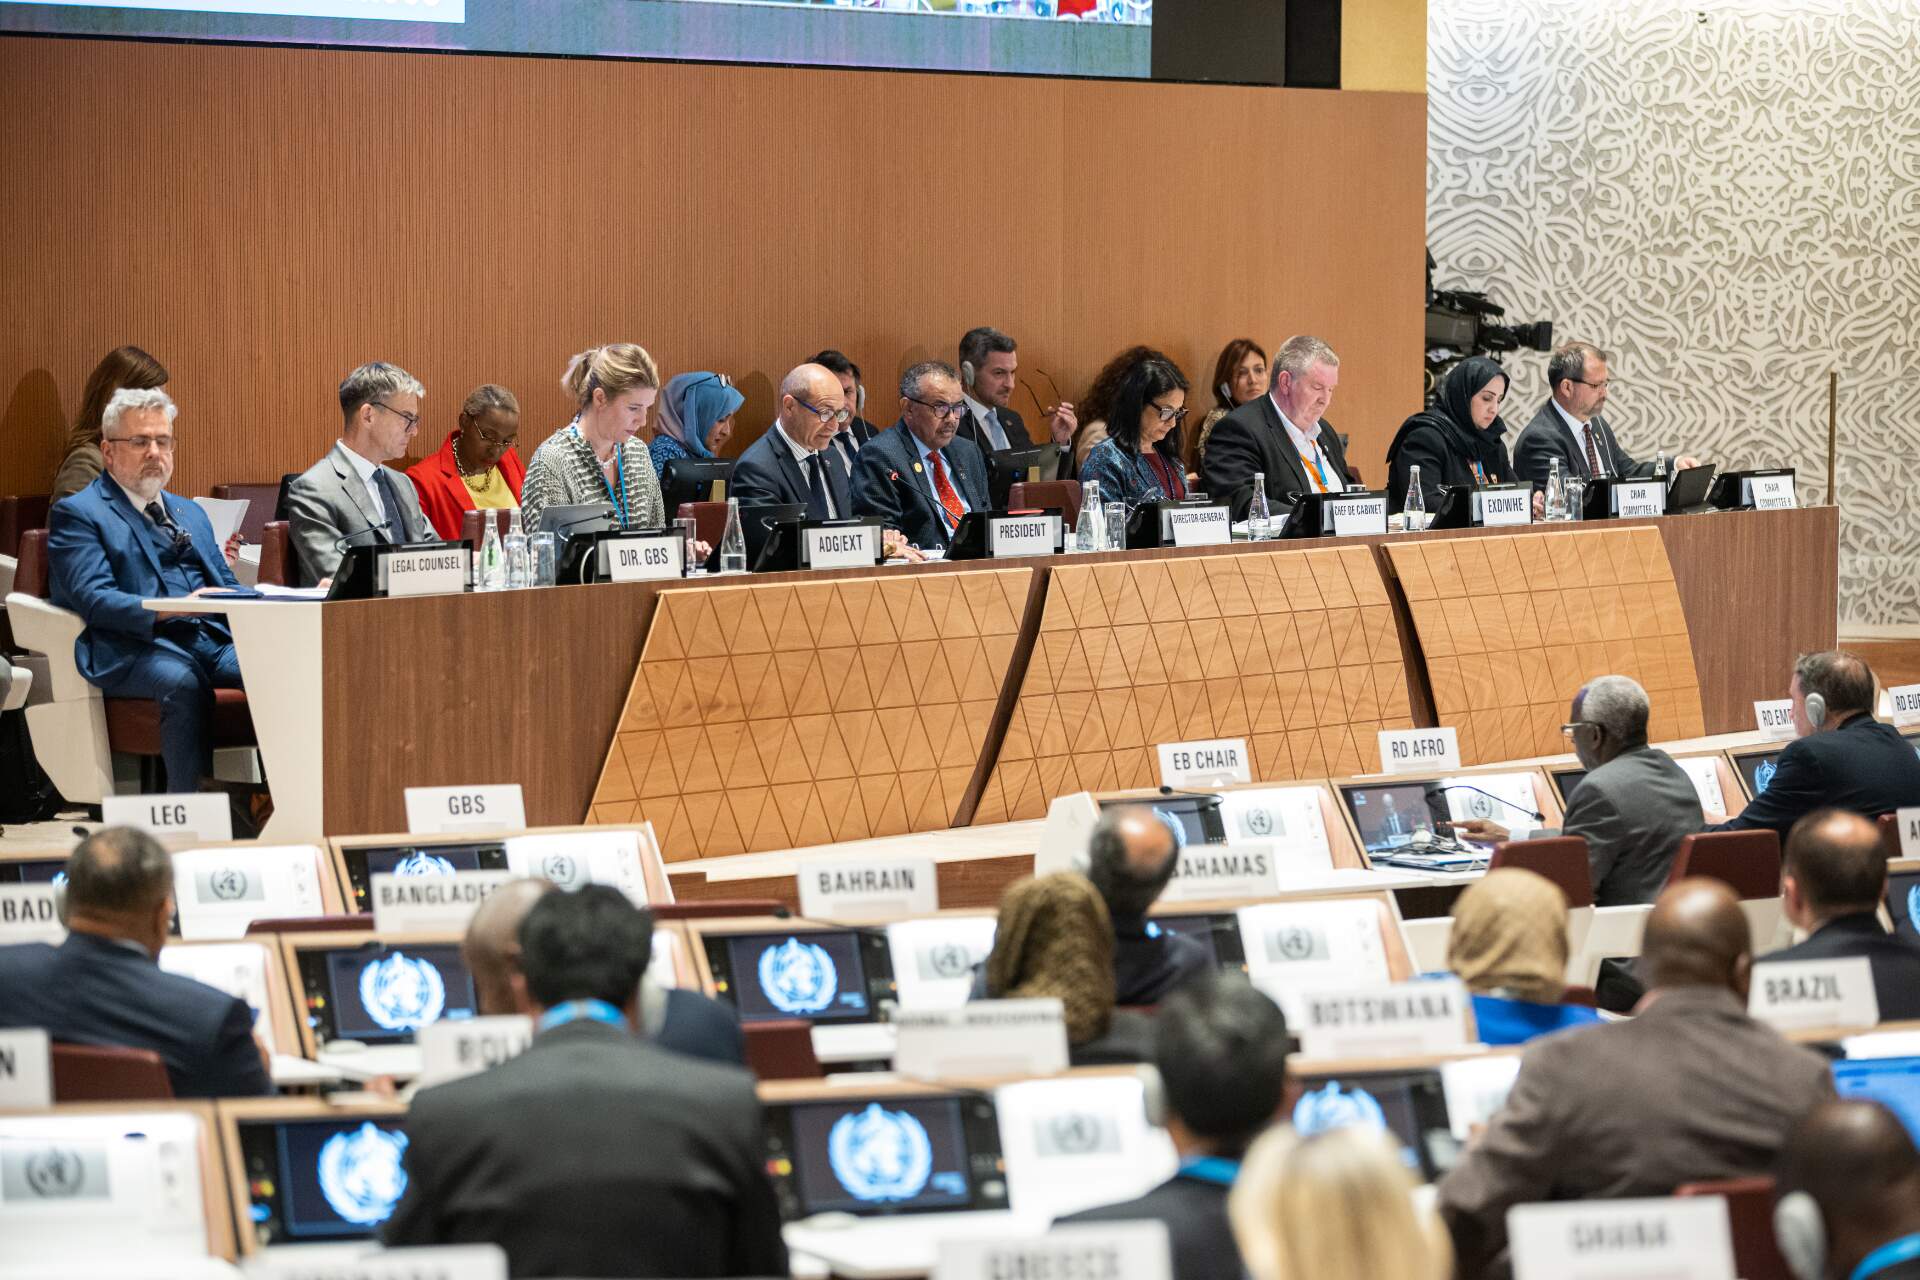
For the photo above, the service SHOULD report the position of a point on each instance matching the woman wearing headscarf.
(696, 417)
(1054, 938)
(1509, 945)
(1459, 441)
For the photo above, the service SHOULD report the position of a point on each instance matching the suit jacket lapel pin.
(916, 468)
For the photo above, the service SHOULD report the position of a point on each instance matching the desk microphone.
(1535, 814)
(345, 540)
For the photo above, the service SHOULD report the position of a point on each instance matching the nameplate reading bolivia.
(452, 1048)
(1034, 535)
(30, 913)
(868, 889)
(1622, 1240)
(1208, 762)
(1357, 517)
(200, 815)
(1774, 718)
(642, 557)
(1906, 703)
(434, 1262)
(1410, 1017)
(1419, 750)
(424, 573)
(848, 547)
(1197, 526)
(433, 811)
(26, 1069)
(1224, 872)
(983, 1038)
(431, 904)
(1814, 993)
(1637, 499)
(1107, 1251)
(1493, 508)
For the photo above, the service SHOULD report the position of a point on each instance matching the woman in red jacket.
(476, 468)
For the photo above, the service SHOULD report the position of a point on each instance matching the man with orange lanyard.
(1281, 435)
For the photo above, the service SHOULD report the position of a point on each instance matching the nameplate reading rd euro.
(1357, 517)
(1107, 1251)
(30, 913)
(1905, 700)
(642, 557)
(1908, 822)
(1361, 1022)
(1224, 873)
(26, 1070)
(423, 573)
(846, 547)
(433, 811)
(1196, 526)
(431, 904)
(1814, 993)
(983, 1038)
(1493, 508)
(436, 1262)
(200, 815)
(1622, 1240)
(1034, 535)
(1637, 499)
(1774, 718)
(1208, 762)
(1417, 750)
(868, 888)
(452, 1048)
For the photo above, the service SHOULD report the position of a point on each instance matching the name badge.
(1107, 1251)
(450, 1049)
(1774, 718)
(1637, 499)
(437, 1262)
(1210, 762)
(868, 889)
(1814, 993)
(1196, 526)
(422, 573)
(1905, 699)
(30, 913)
(26, 1070)
(433, 811)
(1355, 517)
(1908, 823)
(1224, 872)
(1622, 1240)
(983, 1038)
(1009, 536)
(431, 904)
(642, 557)
(1382, 1022)
(218, 892)
(574, 858)
(1418, 750)
(1768, 493)
(198, 815)
(846, 547)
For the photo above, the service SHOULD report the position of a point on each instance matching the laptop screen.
(1892, 1082)
(1388, 814)
(823, 975)
(885, 1155)
(363, 864)
(381, 994)
(1903, 903)
(1757, 769)
(322, 1179)
(1410, 1105)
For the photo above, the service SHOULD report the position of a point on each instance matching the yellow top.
(490, 490)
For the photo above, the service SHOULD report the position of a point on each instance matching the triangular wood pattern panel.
(779, 716)
(1578, 604)
(1282, 647)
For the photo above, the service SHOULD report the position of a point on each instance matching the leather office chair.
(782, 1050)
(1747, 861)
(261, 500)
(361, 922)
(709, 520)
(276, 561)
(717, 908)
(473, 527)
(19, 513)
(1561, 859)
(1756, 1255)
(1037, 495)
(99, 1073)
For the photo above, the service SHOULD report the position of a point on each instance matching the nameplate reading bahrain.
(199, 815)
(868, 888)
(1908, 823)
(443, 571)
(1197, 526)
(431, 904)
(1814, 993)
(1224, 873)
(1493, 508)
(1030, 535)
(844, 547)
(1774, 718)
(1906, 703)
(452, 1048)
(642, 557)
(1419, 750)
(433, 811)
(983, 1038)
(26, 1069)
(30, 913)
(1377, 1021)
(1208, 762)
(1622, 1240)
(1107, 1251)
(1360, 516)
(1637, 499)
(437, 1262)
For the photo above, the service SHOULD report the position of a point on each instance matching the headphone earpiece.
(966, 373)
(1816, 710)
(860, 399)
(1226, 393)
(1153, 1094)
(1801, 1235)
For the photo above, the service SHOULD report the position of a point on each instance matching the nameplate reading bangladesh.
(1208, 762)
(1774, 718)
(1814, 993)
(1361, 1022)
(868, 888)
(199, 815)
(26, 1070)
(847, 547)
(1030, 535)
(431, 904)
(1493, 508)
(1224, 873)
(1622, 1240)
(1638, 499)
(30, 913)
(1107, 1251)
(1905, 699)
(1357, 517)
(452, 1048)
(433, 811)
(642, 557)
(423, 573)
(1197, 526)
(1418, 750)
(982, 1038)
(1769, 493)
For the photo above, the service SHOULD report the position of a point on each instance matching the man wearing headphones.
(845, 445)
(988, 365)
(1849, 1206)
(1843, 758)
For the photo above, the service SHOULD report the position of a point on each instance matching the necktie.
(942, 486)
(157, 512)
(817, 508)
(396, 527)
(1593, 455)
(996, 434)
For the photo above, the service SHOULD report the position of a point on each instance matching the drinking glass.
(543, 547)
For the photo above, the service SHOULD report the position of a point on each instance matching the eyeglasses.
(840, 416)
(412, 419)
(1603, 384)
(1570, 729)
(1175, 416)
(141, 444)
(955, 410)
(491, 437)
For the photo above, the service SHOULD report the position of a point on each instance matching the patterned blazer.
(564, 472)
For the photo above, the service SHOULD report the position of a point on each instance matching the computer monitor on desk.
(1903, 903)
(1409, 1105)
(1564, 782)
(1195, 815)
(1217, 931)
(359, 863)
(1892, 1082)
(374, 993)
(34, 867)
(1008, 467)
(885, 1154)
(622, 855)
(1390, 815)
(1756, 768)
(785, 970)
(687, 480)
(305, 1172)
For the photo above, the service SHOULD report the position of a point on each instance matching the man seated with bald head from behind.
(1691, 1089)
(1849, 1188)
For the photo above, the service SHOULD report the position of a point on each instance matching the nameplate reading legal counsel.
(1622, 1240)
(1908, 822)
(1493, 508)
(1197, 526)
(1414, 750)
(30, 913)
(846, 547)
(423, 573)
(1209, 762)
(982, 1038)
(1108, 1251)
(1906, 703)
(868, 888)
(1637, 499)
(433, 811)
(26, 1069)
(1355, 517)
(1769, 493)
(198, 815)
(431, 904)
(1036, 535)
(452, 1048)
(436, 1262)
(1375, 1022)
(1815, 993)
(1224, 873)
(642, 557)
(1774, 718)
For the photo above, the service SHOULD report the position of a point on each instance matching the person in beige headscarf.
(1054, 938)
(1509, 945)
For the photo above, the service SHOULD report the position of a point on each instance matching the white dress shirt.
(800, 455)
(1308, 447)
(1580, 432)
(365, 470)
(990, 424)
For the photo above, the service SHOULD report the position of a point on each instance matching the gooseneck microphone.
(1535, 814)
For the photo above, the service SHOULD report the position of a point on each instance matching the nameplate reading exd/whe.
(1196, 526)
(1417, 750)
(1209, 762)
(1768, 493)
(1106, 1251)
(982, 1038)
(1034, 535)
(1905, 699)
(197, 815)
(433, 811)
(642, 557)
(1622, 1240)
(431, 904)
(1360, 516)
(1814, 993)
(1224, 873)
(30, 913)
(443, 571)
(846, 547)
(452, 1048)
(26, 1069)
(868, 888)
(1376, 1022)
(1493, 508)
(1638, 499)
(1774, 718)
(436, 1262)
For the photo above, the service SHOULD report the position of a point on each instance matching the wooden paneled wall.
(264, 219)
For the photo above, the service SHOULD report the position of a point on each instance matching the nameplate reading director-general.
(1371, 1021)
(1040, 534)
(30, 913)
(1622, 1240)
(868, 888)
(452, 1048)
(1416, 750)
(1638, 499)
(1106, 1251)
(1196, 526)
(442, 571)
(642, 557)
(1358, 516)
(431, 904)
(26, 1069)
(199, 815)
(982, 1038)
(1814, 993)
(840, 546)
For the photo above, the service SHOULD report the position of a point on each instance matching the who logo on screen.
(362, 1174)
(422, 863)
(880, 1155)
(798, 977)
(402, 993)
(1333, 1107)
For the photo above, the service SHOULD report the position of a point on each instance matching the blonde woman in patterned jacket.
(601, 456)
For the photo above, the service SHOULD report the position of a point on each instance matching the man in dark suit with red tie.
(917, 475)
(989, 368)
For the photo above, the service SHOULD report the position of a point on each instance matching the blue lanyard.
(620, 468)
(1218, 1170)
(573, 1010)
(1890, 1254)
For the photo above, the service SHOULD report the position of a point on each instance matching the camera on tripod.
(1462, 323)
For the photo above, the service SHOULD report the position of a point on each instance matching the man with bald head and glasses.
(1569, 426)
(918, 475)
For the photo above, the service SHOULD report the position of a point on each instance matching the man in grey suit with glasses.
(350, 497)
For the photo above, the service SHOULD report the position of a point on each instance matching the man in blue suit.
(124, 539)
(915, 475)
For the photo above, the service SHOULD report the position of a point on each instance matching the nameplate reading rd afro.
(1419, 750)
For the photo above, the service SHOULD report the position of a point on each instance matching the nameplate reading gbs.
(1906, 703)
(423, 573)
(982, 1038)
(452, 1048)
(1815, 993)
(431, 904)
(1031, 535)
(433, 811)
(1209, 762)
(1107, 1251)
(1417, 750)
(846, 547)
(643, 557)
(868, 888)
(200, 815)
(1622, 1240)
(1197, 526)
(30, 913)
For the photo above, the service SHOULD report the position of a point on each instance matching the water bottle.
(1556, 501)
(519, 557)
(492, 574)
(1090, 533)
(1413, 512)
(733, 543)
(1660, 468)
(1259, 519)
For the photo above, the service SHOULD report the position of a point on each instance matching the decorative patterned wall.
(1724, 193)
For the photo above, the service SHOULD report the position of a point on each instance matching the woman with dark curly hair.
(1093, 406)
